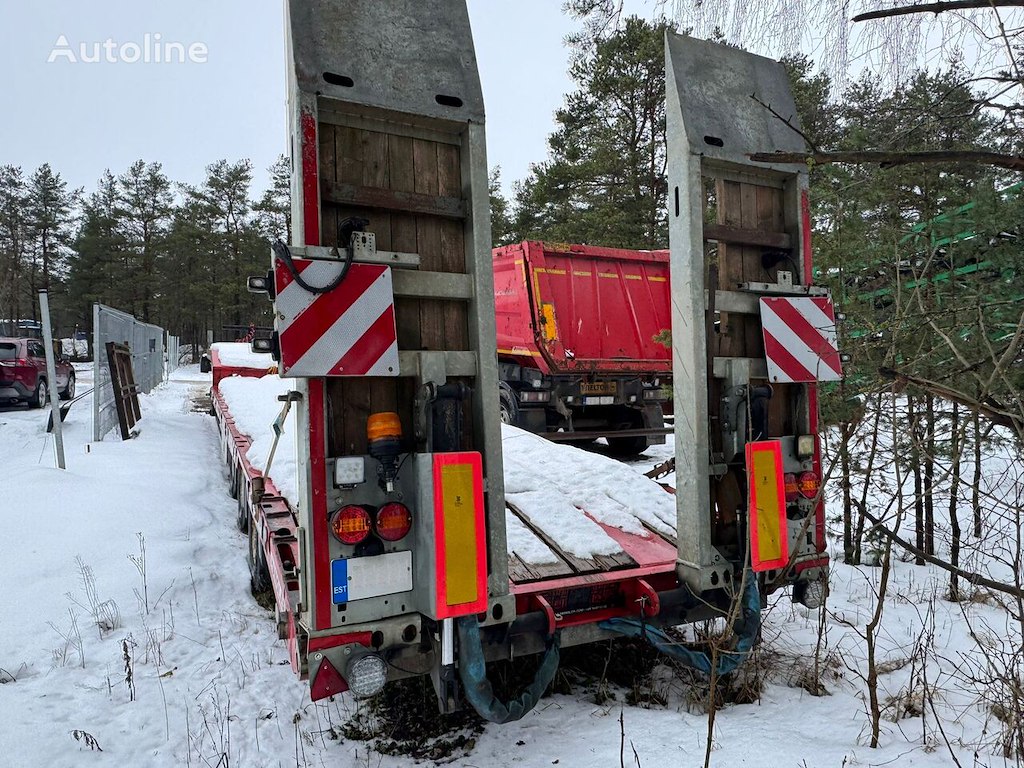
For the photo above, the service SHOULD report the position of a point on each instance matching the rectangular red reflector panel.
(460, 545)
(769, 542)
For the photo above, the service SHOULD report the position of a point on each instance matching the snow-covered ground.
(126, 615)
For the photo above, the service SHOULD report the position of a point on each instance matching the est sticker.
(339, 581)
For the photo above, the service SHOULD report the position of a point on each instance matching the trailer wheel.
(259, 575)
(509, 405)
(233, 481)
(242, 518)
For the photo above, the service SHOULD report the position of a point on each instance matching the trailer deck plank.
(579, 565)
(521, 572)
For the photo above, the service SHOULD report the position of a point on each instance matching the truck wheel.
(509, 405)
(38, 399)
(626, 446)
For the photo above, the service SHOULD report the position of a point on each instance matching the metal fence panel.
(147, 345)
(173, 353)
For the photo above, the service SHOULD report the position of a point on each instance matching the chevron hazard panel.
(800, 339)
(346, 331)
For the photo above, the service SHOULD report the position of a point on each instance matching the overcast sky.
(85, 117)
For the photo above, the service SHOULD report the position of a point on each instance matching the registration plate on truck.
(598, 388)
(357, 578)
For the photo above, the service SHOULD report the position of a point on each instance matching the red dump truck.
(583, 342)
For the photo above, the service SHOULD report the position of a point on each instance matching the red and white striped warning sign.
(800, 339)
(347, 331)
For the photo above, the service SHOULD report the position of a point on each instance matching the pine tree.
(96, 272)
(501, 222)
(145, 204)
(13, 236)
(239, 245)
(604, 180)
(274, 209)
(49, 220)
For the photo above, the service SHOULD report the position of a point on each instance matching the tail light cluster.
(805, 484)
(353, 524)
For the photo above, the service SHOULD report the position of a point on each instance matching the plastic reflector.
(769, 545)
(808, 484)
(792, 489)
(460, 546)
(327, 682)
(550, 330)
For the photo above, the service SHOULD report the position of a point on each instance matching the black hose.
(285, 255)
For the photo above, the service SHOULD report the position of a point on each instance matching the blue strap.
(746, 627)
(477, 688)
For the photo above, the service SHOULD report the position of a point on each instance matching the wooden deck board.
(579, 565)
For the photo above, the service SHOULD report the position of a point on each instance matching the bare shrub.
(87, 739)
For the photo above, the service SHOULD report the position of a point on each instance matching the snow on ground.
(551, 482)
(209, 684)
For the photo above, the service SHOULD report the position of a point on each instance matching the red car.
(23, 373)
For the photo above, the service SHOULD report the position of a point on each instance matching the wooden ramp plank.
(579, 564)
(521, 570)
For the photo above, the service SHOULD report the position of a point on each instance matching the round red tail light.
(394, 521)
(351, 524)
(792, 487)
(808, 484)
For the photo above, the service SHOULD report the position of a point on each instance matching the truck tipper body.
(583, 341)
(416, 534)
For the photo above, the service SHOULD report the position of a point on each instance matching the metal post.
(97, 392)
(51, 378)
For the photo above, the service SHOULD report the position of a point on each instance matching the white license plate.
(357, 578)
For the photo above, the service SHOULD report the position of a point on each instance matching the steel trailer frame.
(405, 70)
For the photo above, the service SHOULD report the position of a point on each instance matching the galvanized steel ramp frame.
(739, 232)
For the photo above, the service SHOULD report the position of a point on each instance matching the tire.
(509, 405)
(626, 446)
(68, 392)
(38, 399)
(583, 442)
(242, 517)
(259, 575)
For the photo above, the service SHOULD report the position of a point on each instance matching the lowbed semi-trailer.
(421, 537)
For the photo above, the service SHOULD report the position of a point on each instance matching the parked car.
(23, 372)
